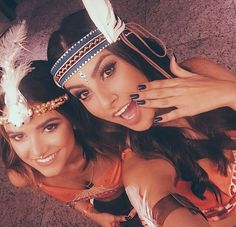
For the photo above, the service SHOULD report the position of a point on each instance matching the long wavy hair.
(167, 142)
(38, 87)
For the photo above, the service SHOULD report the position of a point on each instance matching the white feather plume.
(102, 14)
(14, 68)
(141, 205)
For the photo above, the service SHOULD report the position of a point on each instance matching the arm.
(191, 93)
(103, 219)
(149, 181)
(207, 67)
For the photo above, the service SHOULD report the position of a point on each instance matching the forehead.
(90, 67)
(36, 121)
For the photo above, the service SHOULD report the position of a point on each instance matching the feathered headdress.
(13, 68)
(110, 28)
(104, 18)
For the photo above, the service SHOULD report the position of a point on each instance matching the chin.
(141, 127)
(50, 173)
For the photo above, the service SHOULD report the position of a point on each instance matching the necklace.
(90, 183)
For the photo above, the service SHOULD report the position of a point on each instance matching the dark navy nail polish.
(127, 218)
(134, 96)
(157, 119)
(140, 102)
(142, 86)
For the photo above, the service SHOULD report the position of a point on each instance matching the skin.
(51, 135)
(157, 184)
(191, 93)
(106, 101)
(97, 91)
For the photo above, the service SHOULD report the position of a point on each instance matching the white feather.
(141, 205)
(102, 14)
(14, 68)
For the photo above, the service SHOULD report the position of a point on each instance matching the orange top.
(227, 185)
(107, 185)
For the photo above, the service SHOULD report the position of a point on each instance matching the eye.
(50, 127)
(108, 70)
(17, 137)
(82, 94)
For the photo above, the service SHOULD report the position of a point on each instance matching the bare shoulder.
(207, 67)
(156, 176)
(16, 179)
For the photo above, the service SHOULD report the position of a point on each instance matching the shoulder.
(16, 179)
(207, 67)
(156, 176)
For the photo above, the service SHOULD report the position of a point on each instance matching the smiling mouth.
(47, 159)
(128, 111)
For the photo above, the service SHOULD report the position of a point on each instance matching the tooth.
(122, 110)
(49, 158)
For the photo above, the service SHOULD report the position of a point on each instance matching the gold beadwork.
(41, 108)
(50, 105)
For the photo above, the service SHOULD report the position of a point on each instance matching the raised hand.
(189, 94)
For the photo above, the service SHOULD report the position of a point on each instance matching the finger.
(157, 93)
(132, 213)
(172, 115)
(120, 218)
(158, 103)
(160, 84)
(178, 71)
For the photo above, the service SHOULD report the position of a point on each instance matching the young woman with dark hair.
(54, 150)
(192, 156)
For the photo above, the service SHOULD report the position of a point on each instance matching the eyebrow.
(38, 126)
(46, 122)
(94, 70)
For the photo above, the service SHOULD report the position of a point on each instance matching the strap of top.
(168, 204)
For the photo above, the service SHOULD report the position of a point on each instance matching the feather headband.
(14, 68)
(110, 28)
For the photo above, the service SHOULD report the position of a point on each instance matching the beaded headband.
(110, 29)
(39, 109)
(77, 56)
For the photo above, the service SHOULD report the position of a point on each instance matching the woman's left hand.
(189, 93)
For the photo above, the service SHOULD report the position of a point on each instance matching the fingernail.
(142, 86)
(134, 96)
(157, 119)
(140, 102)
(127, 218)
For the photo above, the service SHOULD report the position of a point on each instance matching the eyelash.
(80, 93)
(108, 69)
(16, 137)
(50, 127)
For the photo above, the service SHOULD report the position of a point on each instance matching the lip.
(48, 160)
(134, 116)
(121, 110)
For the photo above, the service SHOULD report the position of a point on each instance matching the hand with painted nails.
(190, 93)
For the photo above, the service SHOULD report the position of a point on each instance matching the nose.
(36, 146)
(107, 99)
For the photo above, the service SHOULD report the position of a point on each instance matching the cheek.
(129, 79)
(22, 151)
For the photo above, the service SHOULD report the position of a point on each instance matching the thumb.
(177, 70)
